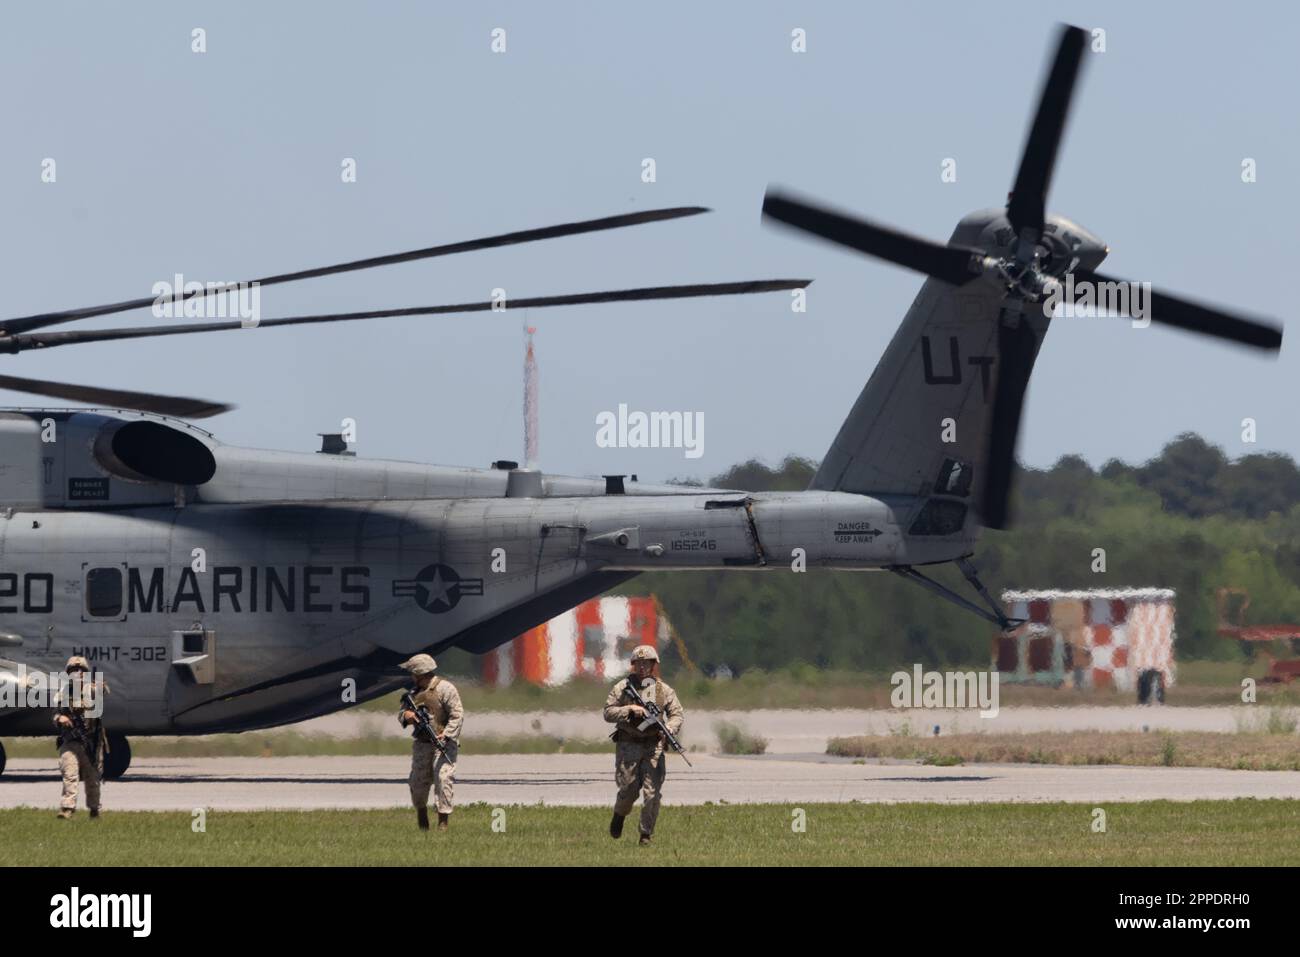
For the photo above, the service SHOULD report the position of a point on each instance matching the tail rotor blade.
(950, 263)
(1027, 207)
(1017, 349)
(1171, 310)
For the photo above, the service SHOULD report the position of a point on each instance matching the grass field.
(279, 744)
(1218, 833)
(1199, 683)
(1245, 751)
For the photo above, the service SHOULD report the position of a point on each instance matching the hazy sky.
(226, 165)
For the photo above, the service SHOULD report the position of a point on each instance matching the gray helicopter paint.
(72, 471)
(245, 475)
(316, 588)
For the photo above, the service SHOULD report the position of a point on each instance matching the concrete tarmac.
(240, 784)
(807, 731)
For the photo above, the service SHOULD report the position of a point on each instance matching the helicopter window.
(104, 592)
(939, 517)
(954, 478)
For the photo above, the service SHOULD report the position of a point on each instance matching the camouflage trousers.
(430, 769)
(639, 769)
(76, 766)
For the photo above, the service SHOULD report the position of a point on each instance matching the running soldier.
(639, 759)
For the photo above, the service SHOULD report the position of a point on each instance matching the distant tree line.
(1188, 519)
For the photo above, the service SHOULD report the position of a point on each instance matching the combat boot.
(422, 813)
(616, 826)
(645, 840)
(94, 813)
(443, 820)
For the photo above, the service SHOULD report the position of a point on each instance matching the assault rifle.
(82, 735)
(654, 715)
(423, 723)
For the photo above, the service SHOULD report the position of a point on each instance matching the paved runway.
(236, 784)
(807, 731)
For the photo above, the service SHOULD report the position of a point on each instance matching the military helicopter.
(226, 589)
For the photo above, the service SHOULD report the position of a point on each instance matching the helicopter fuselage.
(229, 605)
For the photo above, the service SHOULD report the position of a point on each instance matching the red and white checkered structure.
(1113, 635)
(594, 640)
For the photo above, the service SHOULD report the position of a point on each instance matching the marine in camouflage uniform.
(639, 760)
(78, 697)
(429, 767)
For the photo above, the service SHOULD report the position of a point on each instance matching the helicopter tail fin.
(923, 424)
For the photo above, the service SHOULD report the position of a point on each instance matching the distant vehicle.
(1264, 639)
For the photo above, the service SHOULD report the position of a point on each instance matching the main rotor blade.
(179, 406)
(1027, 206)
(42, 340)
(949, 263)
(40, 320)
(1207, 320)
(1017, 349)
